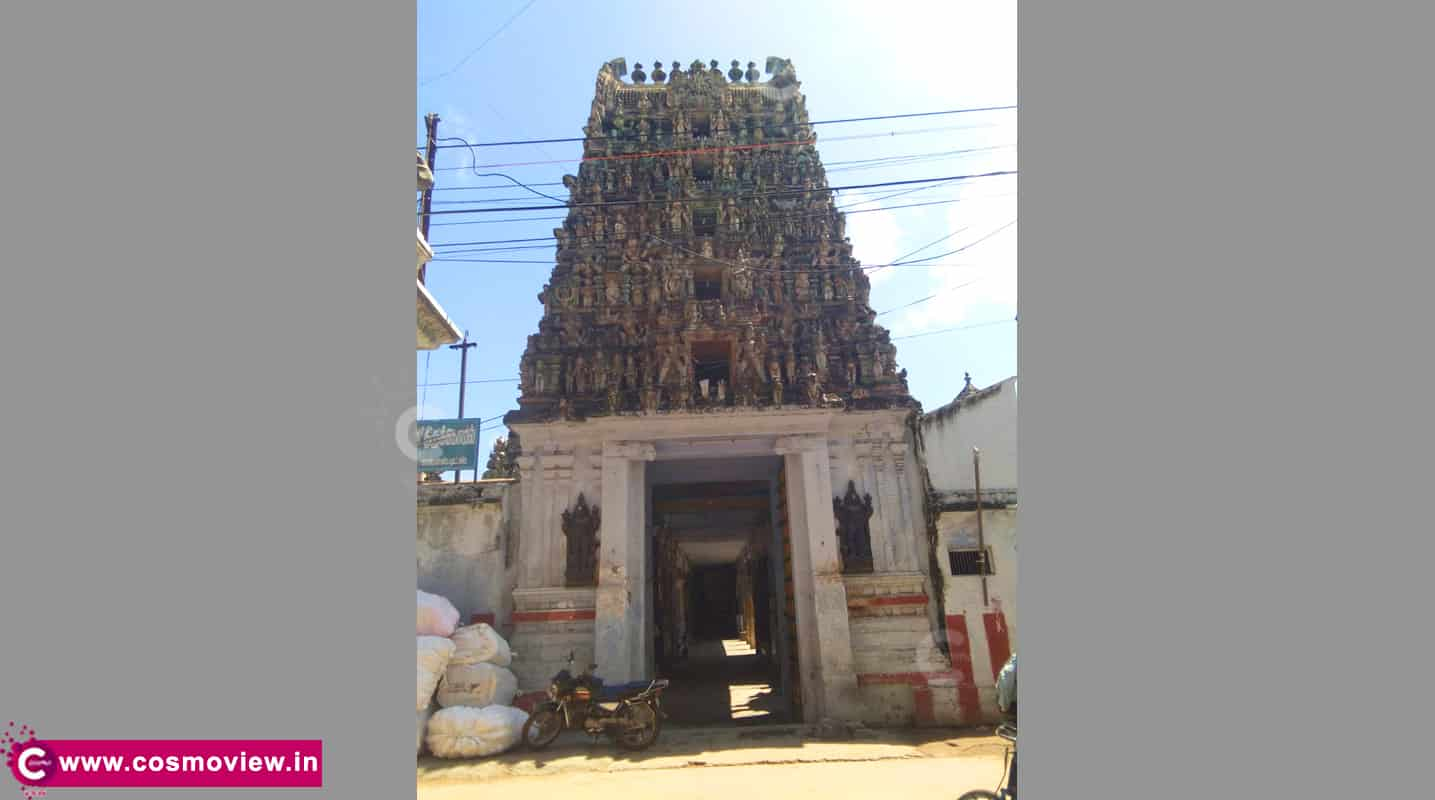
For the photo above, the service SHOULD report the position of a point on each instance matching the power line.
(950, 252)
(474, 166)
(931, 296)
(508, 249)
(819, 122)
(830, 166)
(495, 241)
(548, 261)
(499, 186)
(958, 328)
(843, 209)
(963, 247)
(900, 259)
(470, 383)
(902, 263)
(915, 263)
(844, 212)
(423, 399)
(480, 422)
(481, 45)
(688, 151)
(796, 215)
(780, 193)
(793, 215)
(497, 221)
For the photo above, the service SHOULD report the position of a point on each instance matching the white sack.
(437, 616)
(461, 732)
(424, 715)
(476, 685)
(479, 644)
(434, 655)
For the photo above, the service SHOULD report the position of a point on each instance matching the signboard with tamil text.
(447, 444)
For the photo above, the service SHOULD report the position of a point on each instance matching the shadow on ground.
(724, 683)
(726, 745)
(723, 709)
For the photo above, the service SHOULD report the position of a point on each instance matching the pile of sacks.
(465, 689)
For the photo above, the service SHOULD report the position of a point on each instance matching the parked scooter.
(630, 713)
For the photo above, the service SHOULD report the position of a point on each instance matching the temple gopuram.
(717, 442)
(704, 266)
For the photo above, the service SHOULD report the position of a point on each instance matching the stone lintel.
(886, 584)
(554, 598)
(794, 445)
(631, 451)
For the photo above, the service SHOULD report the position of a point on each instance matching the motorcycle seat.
(622, 691)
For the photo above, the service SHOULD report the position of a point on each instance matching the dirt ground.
(717, 762)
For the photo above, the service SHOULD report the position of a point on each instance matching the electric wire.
(481, 45)
(691, 151)
(916, 263)
(952, 330)
(470, 383)
(831, 166)
(474, 166)
(818, 122)
(779, 193)
(959, 249)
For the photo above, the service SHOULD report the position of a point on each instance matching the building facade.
(435, 329)
(707, 402)
(978, 562)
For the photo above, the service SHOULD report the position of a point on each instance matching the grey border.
(207, 313)
(205, 325)
(1215, 352)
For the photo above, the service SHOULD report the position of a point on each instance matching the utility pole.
(462, 348)
(982, 565)
(430, 120)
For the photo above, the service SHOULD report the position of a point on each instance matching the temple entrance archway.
(719, 627)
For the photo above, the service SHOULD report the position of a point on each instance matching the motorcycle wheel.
(980, 794)
(640, 726)
(542, 727)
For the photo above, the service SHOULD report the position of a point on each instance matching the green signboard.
(446, 444)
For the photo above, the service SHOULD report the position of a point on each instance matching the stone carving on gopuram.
(854, 532)
(703, 266)
(581, 524)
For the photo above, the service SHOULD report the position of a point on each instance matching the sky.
(503, 70)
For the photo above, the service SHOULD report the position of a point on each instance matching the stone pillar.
(905, 527)
(558, 495)
(824, 638)
(532, 544)
(888, 504)
(870, 461)
(620, 626)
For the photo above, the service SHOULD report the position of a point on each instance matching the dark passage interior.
(712, 595)
(715, 614)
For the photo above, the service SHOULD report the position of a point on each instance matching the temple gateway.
(714, 446)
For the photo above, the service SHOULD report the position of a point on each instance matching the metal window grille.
(970, 561)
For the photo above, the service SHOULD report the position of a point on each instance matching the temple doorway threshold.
(724, 682)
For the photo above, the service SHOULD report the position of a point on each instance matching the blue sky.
(535, 78)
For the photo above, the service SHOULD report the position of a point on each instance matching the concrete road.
(909, 779)
(728, 764)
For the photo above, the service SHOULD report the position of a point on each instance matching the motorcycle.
(630, 713)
